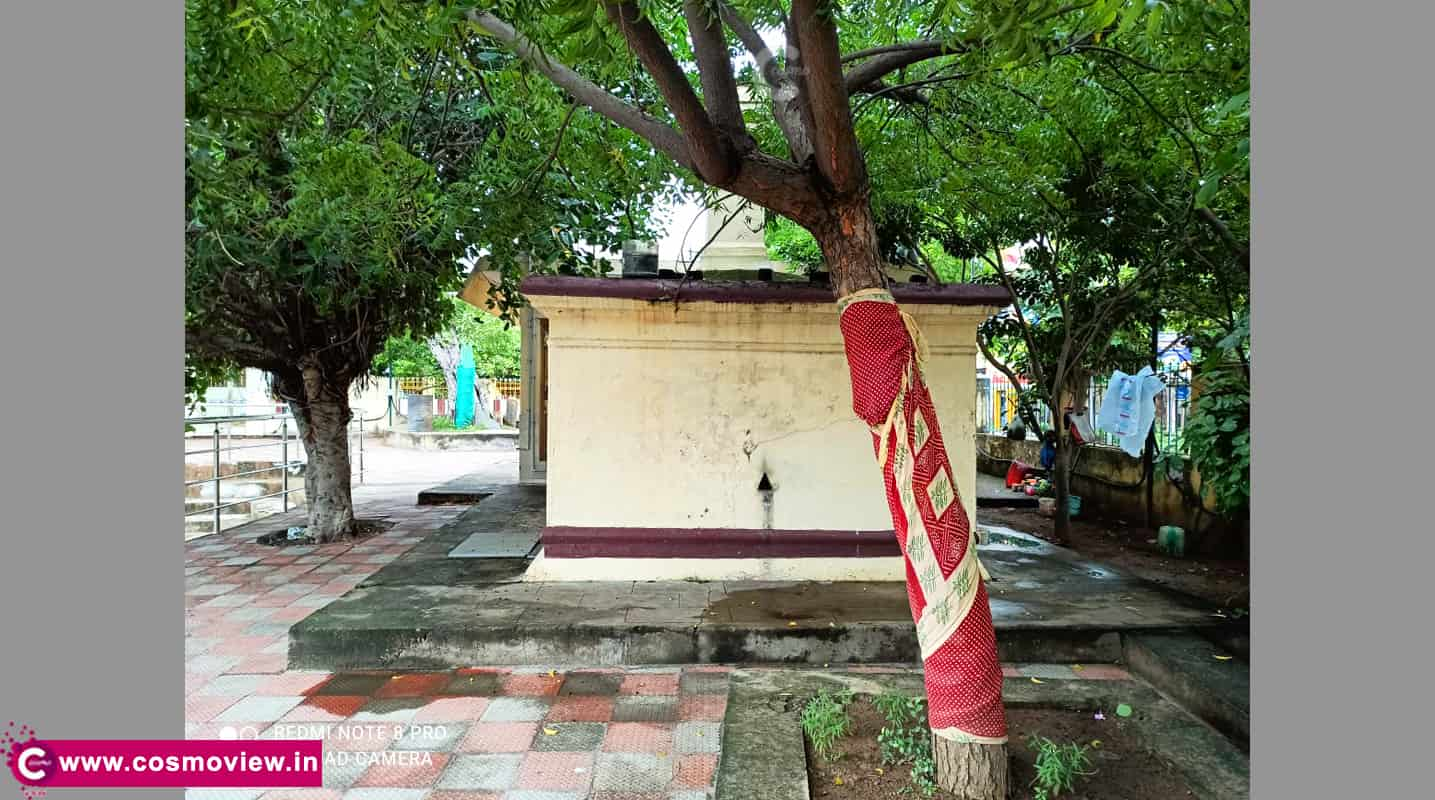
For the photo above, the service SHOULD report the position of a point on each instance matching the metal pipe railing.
(284, 467)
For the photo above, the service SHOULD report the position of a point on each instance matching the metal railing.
(284, 467)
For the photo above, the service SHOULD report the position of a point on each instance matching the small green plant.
(825, 720)
(906, 739)
(1057, 766)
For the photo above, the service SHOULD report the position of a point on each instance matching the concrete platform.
(428, 611)
(464, 490)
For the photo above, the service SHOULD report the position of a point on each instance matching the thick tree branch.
(656, 132)
(882, 61)
(767, 181)
(715, 71)
(767, 65)
(711, 157)
(792, 100)
(839, 160)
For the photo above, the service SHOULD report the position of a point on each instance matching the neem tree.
(813, 172)
(339, 158)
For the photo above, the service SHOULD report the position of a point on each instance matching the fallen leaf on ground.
(837, 781)
(1037, 680)
(550, 731)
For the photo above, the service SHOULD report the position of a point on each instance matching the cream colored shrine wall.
(664, 418)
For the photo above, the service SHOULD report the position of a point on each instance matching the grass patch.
(1057, 766)
(825, 720)
(907, 739)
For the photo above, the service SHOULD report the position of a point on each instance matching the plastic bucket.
(1073, 505)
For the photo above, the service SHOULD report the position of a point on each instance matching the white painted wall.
(668, 418)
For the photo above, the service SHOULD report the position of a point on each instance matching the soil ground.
(1132, 549)
(1122, 768)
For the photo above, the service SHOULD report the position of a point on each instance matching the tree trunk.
(322, 414)
(849, 246)
(971, 771)
(1061, 483)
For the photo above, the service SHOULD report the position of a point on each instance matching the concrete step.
(1209, 681)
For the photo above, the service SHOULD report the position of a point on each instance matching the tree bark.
(1061, 483)
(849, 246)
(848, 239)
(971, 771)
(322, 414)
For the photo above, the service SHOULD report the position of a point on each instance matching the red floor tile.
(638, 737)
(650, 684)
(702, 707)
(416, 684)
(581, 708)
(696, 771)
(532, 685)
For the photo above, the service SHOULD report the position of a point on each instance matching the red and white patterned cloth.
(945, 581)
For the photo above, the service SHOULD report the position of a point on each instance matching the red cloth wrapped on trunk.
(944, 579)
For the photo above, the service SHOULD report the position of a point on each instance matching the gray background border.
(91, 317)
(91, 577)
(1342, 213)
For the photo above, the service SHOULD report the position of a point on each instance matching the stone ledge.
(496, 439)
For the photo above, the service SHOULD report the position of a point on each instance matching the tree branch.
(653, 130)
(882, 61)
(785, 97)
(715, 71)
(712, 159)
(767, 64)
(1241, 249)
(793, 98)
(839, 160)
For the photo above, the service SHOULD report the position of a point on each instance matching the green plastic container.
(1171, 540)
(1073, 505)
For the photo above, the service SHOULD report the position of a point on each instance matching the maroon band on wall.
(565, 541)
(955, 294)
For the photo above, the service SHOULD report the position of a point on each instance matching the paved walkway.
(543, 732)
(536, 732)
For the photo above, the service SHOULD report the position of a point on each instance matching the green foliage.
(787, 241)
(407, 359)
(1057, 766)
(1218, 433)
(907, 739)
(342, 155)
(495, 344)
(825, 720)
